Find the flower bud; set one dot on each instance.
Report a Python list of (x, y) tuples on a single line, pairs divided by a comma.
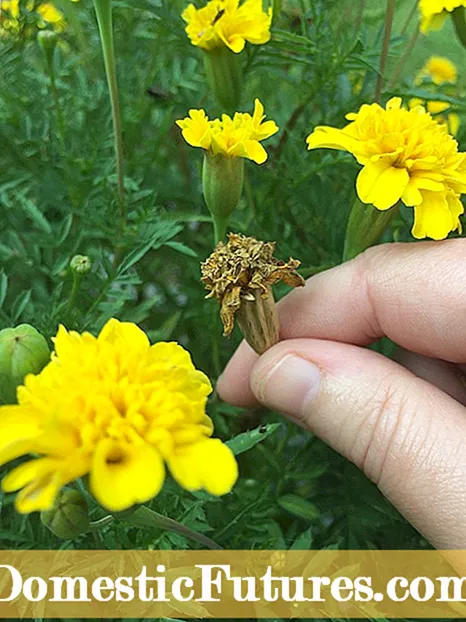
[(48, 40), (23, 350), (225, 77), (80, 264), (69, 515), (222, 185)]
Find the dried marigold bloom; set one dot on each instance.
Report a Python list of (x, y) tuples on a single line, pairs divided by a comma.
[(240, 275)]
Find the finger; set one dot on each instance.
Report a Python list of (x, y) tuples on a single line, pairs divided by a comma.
[(406, 435), (415, 294), (442, 374), (233, 385)]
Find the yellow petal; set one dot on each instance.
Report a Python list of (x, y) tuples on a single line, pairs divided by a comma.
[(19, 428), (433, 218), (412, 195), (123, 475), (255, 151), (125, 334), (330, 138), (209, 464), (381, 184)]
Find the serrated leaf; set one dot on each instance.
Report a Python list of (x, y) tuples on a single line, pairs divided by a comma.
[(303, 542), (35, 214), (247, 440), (64, 230)]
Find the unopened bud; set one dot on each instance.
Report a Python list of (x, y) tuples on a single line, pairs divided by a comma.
[(69, 515), (23, 350), (81, 264), (47, 40)]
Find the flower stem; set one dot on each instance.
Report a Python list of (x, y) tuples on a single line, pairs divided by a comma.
[(220, 229), (97, 525), (459, 22), (74, 293), (404, 58), (103, 9), (389, 15), (56, 103), (412, 13), (143, 516)]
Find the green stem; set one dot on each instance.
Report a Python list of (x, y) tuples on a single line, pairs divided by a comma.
[(56, 103), (143, 516), (98, 524), (412, 13), (103, 9), (389, 15), (459, 22), (404, 58), (74, 293), (220, 229)]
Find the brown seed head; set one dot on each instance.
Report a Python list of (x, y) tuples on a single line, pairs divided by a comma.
[(242, 268)]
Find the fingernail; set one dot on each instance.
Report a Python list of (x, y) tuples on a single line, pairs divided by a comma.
[(291, 384)]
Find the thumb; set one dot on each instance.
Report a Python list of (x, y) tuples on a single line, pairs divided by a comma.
[(407, 435)]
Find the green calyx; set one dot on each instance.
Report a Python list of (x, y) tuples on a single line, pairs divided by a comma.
[(69, 515)]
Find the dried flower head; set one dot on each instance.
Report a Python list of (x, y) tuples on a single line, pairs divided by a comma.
[(243, 271)]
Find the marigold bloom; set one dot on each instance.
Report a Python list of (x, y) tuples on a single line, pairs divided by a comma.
[(47, 13), (237, 137), (405, 155), (227, 23), (116, 408), (435, 12), (439, 69)]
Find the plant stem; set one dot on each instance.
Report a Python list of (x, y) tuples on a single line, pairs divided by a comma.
[(404, 58), (98, 524), (74, 293), (143, 516), (220, 229), (412, 13), (390, 13), (56, 103), (459, 22), (103, 9)]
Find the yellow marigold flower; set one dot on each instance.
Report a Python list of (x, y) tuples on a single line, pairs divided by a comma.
[(439, 69), (51, 15), (116, 408), (227, 23), (405, 155), (435, 12), (237, 137)]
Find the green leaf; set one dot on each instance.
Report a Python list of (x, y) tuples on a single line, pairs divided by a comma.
[(299, 507), (3, 287), (20, 304), (35, 214), (182, 248), (303, 542), (247, 440)]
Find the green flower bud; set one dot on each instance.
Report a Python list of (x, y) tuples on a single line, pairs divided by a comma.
[(48, 40), (80, 264), (225, 77), (23, 350), (222, 184), (69, 515)]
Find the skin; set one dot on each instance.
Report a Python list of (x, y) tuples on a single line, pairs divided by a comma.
[(403, 421)]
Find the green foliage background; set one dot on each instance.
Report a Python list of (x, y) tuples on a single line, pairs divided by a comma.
[(58, 199)]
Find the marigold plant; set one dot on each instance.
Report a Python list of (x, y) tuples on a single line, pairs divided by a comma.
[(228, 23), (406, 155), (116, 409)]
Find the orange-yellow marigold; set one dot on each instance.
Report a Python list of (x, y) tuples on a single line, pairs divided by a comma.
[(115, 408), (435, 12), (406, 155)]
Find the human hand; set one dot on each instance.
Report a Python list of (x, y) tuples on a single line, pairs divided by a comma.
[(403, 423)]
